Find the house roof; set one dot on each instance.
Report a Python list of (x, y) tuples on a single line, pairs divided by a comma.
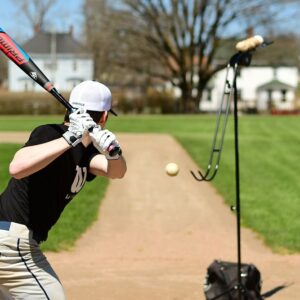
[(46, 42), (275, 84)]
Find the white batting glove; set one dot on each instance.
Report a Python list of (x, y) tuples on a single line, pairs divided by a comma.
[(80, 123), (102, 140)]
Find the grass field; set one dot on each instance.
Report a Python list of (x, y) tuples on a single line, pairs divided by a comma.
[(269, 168)]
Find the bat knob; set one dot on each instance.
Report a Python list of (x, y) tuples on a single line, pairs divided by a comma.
[(114, 150)]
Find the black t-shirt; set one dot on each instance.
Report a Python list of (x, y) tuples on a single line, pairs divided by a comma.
[(38, 200)]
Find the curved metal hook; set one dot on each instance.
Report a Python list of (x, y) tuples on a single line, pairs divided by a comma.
[(219, 134), (205, 177)]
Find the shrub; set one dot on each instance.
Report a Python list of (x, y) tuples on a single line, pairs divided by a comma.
[(153, 102), (38, 103), (163, 102), (125, 104), (12, 103)]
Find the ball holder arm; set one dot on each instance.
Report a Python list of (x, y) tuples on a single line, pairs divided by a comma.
[(218, 138), (241, 58)]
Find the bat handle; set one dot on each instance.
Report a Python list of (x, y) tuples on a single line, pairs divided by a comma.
[(114, 150), (62, 100)]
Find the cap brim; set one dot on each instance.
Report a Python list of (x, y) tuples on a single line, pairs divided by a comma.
[(113, 112)]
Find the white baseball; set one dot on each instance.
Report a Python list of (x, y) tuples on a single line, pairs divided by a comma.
[(172, 169)]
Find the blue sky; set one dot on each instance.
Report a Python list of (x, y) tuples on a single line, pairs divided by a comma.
[(65, 13), (68, 12)]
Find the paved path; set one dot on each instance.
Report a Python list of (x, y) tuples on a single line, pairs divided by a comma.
[(156, 235)]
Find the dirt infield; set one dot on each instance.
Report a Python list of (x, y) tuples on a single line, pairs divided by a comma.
[(156, 235)]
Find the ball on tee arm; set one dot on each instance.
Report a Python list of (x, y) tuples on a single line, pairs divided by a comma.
[(172, 169)]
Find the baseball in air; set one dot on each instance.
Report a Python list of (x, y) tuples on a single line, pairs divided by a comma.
[(172, 169)]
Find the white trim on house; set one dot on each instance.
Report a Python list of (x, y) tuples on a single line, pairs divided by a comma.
[(248, 83)]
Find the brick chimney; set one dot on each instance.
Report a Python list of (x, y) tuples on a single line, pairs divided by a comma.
[(37, 28), (71, 30), (250, 32)]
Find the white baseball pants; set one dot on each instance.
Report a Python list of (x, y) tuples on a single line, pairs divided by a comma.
[(25, 273)]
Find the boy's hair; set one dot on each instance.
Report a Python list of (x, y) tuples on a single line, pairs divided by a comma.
[(95, 115)]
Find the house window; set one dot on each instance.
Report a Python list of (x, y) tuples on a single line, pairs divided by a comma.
[(26, 85), (209, 94), (239, 94), (75, 65), (50, 65), (283, 93)]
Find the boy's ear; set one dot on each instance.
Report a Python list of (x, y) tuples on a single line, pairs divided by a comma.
[(104, 117)]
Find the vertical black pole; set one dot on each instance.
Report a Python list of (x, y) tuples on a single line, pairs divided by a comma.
[(237, 178)]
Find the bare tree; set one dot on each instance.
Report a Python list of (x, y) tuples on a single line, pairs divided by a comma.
[(35, 11), (176, 41), (3, 70), (97, 33), (104, 38), (184, 36)]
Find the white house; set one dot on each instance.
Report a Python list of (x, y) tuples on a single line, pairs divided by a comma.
[(59, 56), (259, 87)]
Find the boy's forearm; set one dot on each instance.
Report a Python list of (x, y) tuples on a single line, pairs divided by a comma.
[(116, 167), (113, 168), (31, 159)]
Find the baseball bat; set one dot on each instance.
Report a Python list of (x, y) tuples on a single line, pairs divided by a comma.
[(19, 56)]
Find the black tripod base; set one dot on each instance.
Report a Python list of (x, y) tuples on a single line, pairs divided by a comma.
[(222, 282), (238, 292)]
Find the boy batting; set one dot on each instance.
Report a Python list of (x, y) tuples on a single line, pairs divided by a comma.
[(47, 172)]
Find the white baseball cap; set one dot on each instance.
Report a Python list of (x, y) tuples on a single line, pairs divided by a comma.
[(91, 95)]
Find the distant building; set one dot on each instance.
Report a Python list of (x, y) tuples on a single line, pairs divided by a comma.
[(263, 88), (268, 84), (60, 57), (276, 95)]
